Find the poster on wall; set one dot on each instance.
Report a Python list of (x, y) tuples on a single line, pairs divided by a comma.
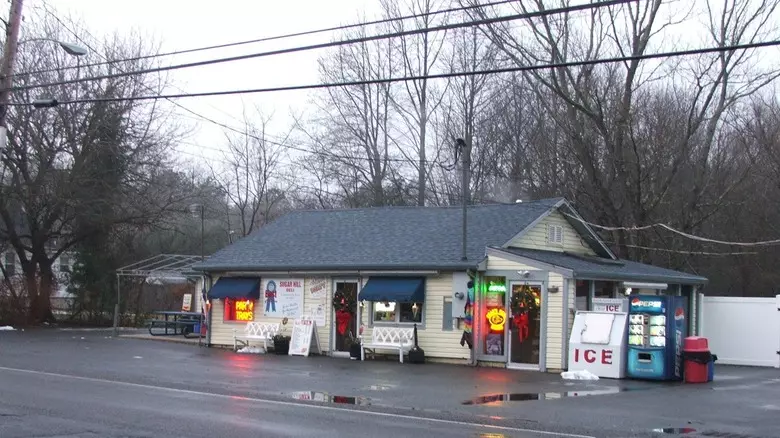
[(283, 297), (317, 313), (317, 288), (186, 304)]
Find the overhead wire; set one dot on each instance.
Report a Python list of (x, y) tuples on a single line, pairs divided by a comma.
[(399, 34), (278, 37), (224, 125), (676, 231), (516, 69)]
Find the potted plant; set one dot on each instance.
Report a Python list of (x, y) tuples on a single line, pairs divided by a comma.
[(354, 345), (282, 341)]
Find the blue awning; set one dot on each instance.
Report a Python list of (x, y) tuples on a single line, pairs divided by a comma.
[(394, 289), (235, 287)]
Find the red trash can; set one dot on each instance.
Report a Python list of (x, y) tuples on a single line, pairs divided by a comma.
[(696, 353)]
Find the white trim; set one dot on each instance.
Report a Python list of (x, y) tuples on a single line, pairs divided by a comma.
[(643, 285), (333, 332), (590, 230), (333, 273), (495, 252), (541, 366)]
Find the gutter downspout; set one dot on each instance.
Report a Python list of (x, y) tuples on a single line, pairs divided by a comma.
[(565, 340)]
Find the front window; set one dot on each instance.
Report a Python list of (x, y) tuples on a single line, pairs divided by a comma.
[(239, 310), (390, 312), (605, 289)]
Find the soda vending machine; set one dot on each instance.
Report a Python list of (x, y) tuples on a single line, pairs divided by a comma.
[(656, 328)]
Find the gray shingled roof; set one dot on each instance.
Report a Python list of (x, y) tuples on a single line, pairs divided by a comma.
[(607, 269), (376, 238)]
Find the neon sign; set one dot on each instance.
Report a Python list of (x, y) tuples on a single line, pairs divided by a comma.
[(244, 310), (496, 288), (496, 318)]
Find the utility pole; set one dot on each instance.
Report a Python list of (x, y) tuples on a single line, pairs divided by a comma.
[(465, 151), (7, 67)]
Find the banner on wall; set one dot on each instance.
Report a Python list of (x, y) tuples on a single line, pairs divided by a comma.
[(317, 288), (283, 298)]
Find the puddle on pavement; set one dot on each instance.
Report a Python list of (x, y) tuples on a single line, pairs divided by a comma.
[(379, 387), (324, 397), (529, 396), (674, 430)]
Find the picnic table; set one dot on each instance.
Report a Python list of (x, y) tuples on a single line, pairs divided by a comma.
[(175, 323)]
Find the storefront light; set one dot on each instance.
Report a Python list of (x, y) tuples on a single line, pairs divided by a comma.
[(244, 310), (496, 288), (497, 319)]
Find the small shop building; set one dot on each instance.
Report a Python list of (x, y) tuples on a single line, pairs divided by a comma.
[(508, 301)]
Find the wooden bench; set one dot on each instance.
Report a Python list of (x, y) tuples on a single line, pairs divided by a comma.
[(255, 331), (389, 338)]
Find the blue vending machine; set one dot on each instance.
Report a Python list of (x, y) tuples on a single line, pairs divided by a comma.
[(656, 328)]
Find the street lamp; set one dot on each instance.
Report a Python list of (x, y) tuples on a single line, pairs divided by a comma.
[(7, 83), (198, 209), (69, 48)]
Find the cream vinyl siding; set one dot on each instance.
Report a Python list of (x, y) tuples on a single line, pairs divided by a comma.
[(437, 343), (498, 264), (554, 325), (536, 237), (571, 305), (222, 331)]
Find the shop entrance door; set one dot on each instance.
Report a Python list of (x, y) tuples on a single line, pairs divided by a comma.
[(525, 323), (344, 321)]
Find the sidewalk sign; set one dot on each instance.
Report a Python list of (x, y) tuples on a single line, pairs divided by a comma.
[(304, 337), (186, 304)]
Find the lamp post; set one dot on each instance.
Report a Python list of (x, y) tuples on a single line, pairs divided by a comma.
[(198, 209), (9, 56)]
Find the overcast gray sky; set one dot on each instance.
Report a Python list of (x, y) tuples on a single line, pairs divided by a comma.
[(182, 24)]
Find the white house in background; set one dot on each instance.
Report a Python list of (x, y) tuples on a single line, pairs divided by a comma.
[(63, 265)]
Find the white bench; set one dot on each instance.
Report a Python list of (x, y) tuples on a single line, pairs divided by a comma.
[(255, 331), (389, 338)]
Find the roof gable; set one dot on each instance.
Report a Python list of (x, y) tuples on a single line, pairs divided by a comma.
[(377, 238), (588, 238)]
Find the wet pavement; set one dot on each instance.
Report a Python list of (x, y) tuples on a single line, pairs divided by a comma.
[(185, 382)]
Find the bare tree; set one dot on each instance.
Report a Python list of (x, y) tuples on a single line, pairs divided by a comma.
[(465, 115), (640, 131), (419, 55), (251, 180), (352, 131), (77, 171)]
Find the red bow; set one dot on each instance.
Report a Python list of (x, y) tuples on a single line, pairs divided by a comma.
[(343, 319), (521, 322)]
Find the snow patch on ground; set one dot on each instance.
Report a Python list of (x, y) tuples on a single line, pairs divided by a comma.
[(579, 375), (6, 328), (251, 350)]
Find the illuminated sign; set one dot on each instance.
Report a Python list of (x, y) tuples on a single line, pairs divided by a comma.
[(496, 288), (244, 310), (496, 318)]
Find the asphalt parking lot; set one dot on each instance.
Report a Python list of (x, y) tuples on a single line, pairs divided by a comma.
[(87, 383)]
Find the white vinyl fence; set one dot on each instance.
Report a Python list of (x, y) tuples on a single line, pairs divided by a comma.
[(743, 331)]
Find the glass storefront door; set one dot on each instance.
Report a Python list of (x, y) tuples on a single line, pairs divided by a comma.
[(345, 322), (525, 309)]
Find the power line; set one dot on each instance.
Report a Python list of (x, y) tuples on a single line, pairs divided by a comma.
[(676, 231), (434, 76), (676, 251), (481, 22), (274, 38)]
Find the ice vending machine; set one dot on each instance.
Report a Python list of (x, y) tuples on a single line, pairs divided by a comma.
[(656, 328)]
